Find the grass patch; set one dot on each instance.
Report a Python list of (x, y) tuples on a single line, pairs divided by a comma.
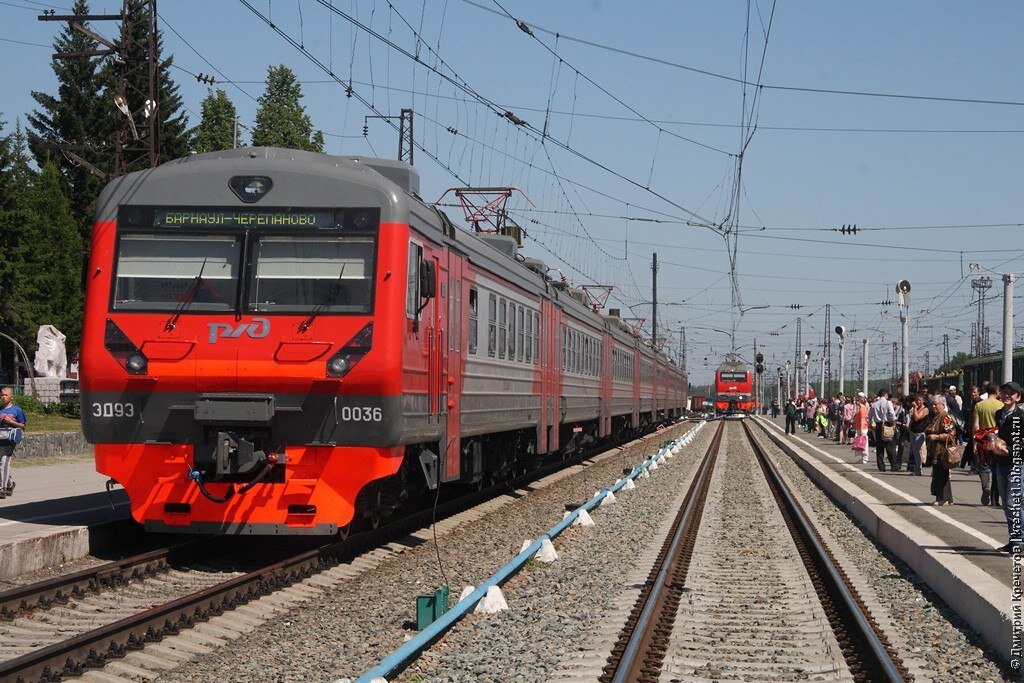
[(43, 422)]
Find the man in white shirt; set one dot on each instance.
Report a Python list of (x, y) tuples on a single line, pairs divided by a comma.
[(880, 415), (955, 396)]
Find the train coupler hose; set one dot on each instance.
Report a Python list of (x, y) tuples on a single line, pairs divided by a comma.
[(111, 483), (268, 466)]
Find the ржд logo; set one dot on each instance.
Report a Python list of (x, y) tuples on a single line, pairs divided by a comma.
[(257, 329)]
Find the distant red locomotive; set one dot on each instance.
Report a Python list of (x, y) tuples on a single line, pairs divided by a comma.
[(733, 390), (283, 342)]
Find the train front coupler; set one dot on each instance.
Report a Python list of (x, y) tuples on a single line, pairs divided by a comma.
[(236, 459)]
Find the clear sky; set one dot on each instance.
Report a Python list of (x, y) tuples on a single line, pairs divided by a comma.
[(905, 169)]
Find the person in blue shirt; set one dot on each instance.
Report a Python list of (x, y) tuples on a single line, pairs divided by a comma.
[(10, 416)]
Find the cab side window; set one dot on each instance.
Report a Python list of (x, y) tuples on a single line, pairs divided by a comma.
[(412, 280), (472, 320)]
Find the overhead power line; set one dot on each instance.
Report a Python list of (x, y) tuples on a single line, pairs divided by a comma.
[(741, 81)]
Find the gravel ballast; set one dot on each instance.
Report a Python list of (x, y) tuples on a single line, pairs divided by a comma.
[(949, 650), (359, 622)]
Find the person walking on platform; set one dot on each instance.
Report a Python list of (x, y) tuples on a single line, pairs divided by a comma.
[(970, 400), (883, 417), (791, 413), (775, 407), (984, 423), (846, 420), (12, 421), (860, 423), (1008, 462), (941, 436), (901, 431), (918, 416)]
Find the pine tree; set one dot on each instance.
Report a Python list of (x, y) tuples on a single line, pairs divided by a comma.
[(16, 177), (281, 120), (172, 122), (15, 170), (47, 265), (76, 114), (216, 130)]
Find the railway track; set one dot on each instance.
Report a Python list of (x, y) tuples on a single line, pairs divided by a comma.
[(66, 626), (744, 588)]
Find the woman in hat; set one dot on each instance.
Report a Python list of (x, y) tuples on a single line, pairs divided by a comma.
[(940, 436)]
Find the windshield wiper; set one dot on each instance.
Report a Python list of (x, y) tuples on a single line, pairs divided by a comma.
[(327, 300), (187, 299)]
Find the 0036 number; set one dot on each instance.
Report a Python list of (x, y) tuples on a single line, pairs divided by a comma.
[(360, 414), (113, 410)]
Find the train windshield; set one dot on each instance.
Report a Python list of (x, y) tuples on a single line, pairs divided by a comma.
[(733, 376), (163, 273), (307, 274)]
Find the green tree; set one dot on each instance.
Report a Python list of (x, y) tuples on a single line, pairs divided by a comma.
[(216, 129), (955, 363), (76, 114), (281, 120), (16, 178), (171, 119), (15, 168), (46, 287)]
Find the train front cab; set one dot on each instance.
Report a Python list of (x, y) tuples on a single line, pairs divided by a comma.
[(241, 364)]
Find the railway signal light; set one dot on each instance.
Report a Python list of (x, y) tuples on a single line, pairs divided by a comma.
[(759, 368), (759, 358)]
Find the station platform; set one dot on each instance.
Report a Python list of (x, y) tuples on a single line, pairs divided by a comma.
[(954, 549), (54, 515)]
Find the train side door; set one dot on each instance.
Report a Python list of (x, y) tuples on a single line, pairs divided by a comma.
[(451, 367)]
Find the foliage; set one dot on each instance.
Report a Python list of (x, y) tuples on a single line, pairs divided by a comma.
[(74, 115), (281, 120), (41, 266), (955, 363), (171, 122), (33, 406), (216, 129)]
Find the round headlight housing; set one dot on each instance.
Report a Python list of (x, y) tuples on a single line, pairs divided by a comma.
[(338, 366), (136, 363)]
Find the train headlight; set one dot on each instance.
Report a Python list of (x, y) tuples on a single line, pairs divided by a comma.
[(342, 362), (338, 366), (136, 364), (124, 351)]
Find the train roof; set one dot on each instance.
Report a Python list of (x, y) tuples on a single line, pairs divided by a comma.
[(315, 180), (733, 366)]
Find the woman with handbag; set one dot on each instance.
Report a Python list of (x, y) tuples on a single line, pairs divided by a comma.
[(919, 419), (943, 450), (12, 421), (860, 426)]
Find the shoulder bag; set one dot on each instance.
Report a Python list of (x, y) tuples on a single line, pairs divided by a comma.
[(10, 435)]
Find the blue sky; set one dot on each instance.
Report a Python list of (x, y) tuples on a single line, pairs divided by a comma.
[(796, 183)]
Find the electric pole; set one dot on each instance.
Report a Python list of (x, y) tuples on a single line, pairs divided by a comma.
[(796, 356), (864, 368), (980, 337), (827, 350), (134, 144), (841, 331), (654, 300), (1008, 327), (903, 294)]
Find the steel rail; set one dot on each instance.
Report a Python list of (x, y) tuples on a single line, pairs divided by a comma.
[(639, 652), (867, 651), (93, 649), (60, 589)]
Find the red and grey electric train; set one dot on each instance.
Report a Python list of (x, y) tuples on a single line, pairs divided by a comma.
[(733, 390), (282, 342)]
